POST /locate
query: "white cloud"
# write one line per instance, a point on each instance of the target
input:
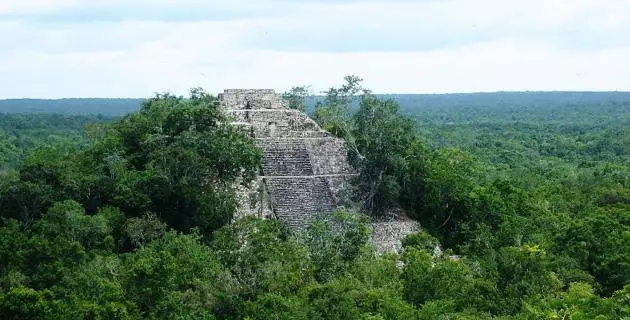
(461, 46)
(422, 25)
(34, 6)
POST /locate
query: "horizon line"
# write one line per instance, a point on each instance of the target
(322, 94)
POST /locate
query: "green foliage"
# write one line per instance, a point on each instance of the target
(594, 241)
(447, 280)
(334, 113)
(174, 277)
(578, 302)
(25, 201)
(155, 160)
(334, 241)
(67, 220)
(536, 205)
(422, 241)
(524, 272)
(138, 231)
(380, 137)
(296, 97)
(12, 256)
(20, 134)
(350, 299)
(95, 289)
(26, 303)
(262, 256)
(274, 306)
(173, 147)
(450, 186)
(526, 195)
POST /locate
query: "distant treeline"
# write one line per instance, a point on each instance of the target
(72, 106)
(427, 108)
(501, 107)
(518, 107)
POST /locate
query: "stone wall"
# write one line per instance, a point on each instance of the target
(277, 123)
(254, 201)
(326, 158)
(387, 233)
(304, 169)
(246, 98)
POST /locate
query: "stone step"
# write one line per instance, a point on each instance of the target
(298, 200)
(280, 143)
(286, 132)
(285, 159)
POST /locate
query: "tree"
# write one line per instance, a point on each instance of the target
(177, 158)
(296, 97)
(524, 272)
(333, 114)
(380, 138)
(598, 241)
(442, 280)
(579, 301)
(13, 261)
(67, 220)
(174, 277)
(376, 136)
(335, 241)
(26, 303)
(95, 289)
(263, 256)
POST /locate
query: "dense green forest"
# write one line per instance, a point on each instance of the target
(528, 197)
(20, 134)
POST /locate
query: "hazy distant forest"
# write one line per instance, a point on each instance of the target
(120, 209)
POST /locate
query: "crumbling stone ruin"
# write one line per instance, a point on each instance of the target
(304, 168)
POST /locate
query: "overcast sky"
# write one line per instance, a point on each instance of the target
(125, 48)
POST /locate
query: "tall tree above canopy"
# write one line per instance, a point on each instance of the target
(334, 113)
(176, 157)
(380, 138)
(377, 136)
(297, 96)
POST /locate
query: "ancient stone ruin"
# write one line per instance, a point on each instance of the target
(304, 169)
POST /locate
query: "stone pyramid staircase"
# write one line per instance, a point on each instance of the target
(303, 168)
(302, 165)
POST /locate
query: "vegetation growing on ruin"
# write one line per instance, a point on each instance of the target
(529, 201)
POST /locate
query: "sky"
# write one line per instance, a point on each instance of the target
(135, 48)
